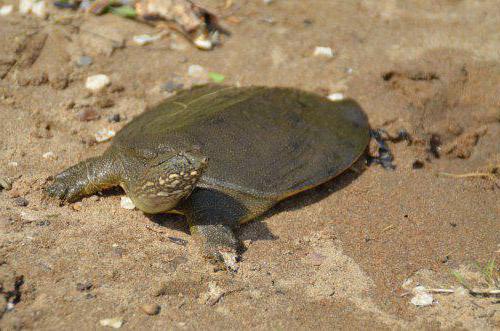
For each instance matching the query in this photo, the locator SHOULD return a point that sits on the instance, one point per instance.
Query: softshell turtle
(222, 156)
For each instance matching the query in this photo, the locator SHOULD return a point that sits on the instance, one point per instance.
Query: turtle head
(165, 181)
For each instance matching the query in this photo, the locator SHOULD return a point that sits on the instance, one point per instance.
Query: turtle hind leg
(85, 178)
(212, 216)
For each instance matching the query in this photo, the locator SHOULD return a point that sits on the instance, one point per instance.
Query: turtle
(222, 156)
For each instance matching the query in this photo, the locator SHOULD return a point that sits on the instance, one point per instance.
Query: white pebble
(39, 9)
(97, 82)
(49, 155)
(323, 51)
(336, 96)
(13, 164)
(197, 71)
(6, 10)
(203, 43)
(421, 298)
(126, 203)
(114, 323)
(144, 39)
(104, 135)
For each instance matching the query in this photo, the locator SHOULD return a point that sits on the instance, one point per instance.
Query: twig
(439, 290)
(468, 175)
(485, 293)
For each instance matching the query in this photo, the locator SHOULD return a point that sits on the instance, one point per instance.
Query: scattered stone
(203, 43)
(87, 115)
(417, 164)
(421, 298)
(114, 323)
(104, 135)
(435, 145)
(115, 118)
(336, 96)
(323, 51)
(21, 202)
(145, 39)
(77, 206)
(5, 183)
(97, 82)
(84, 61)
(150, 309)
(81, 287)
(49, 155)
(267, 2)
(13, 164)
(126, 203)
(6, 10)
(43, 223)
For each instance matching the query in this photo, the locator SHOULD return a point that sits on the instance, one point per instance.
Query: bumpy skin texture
(223, 155)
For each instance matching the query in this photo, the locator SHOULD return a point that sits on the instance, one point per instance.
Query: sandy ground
(345, 255)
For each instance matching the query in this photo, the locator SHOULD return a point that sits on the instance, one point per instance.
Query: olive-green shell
(269, 142)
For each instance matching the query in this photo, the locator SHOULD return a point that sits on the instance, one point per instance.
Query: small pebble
(203, 43)
(114, 323)
(336, 96)
(150, 309)
(84, 286)
(87, 115)
(13, 164)
(43, 223)
(97, 82)
(421, 298)
(417, 164)
(77, 206)
(49, 155)
(21, 202)
(144, 39)
(115, 118)
(126, 203)
(104, 135)
(323, 51)
(84, 61)
(6, 10)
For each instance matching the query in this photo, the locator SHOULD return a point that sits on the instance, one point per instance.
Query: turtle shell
(267, 142)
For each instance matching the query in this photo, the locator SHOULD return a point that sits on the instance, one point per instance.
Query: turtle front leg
(85, 178)
(212, 217)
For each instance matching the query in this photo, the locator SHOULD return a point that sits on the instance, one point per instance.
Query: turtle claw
(66, 188)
